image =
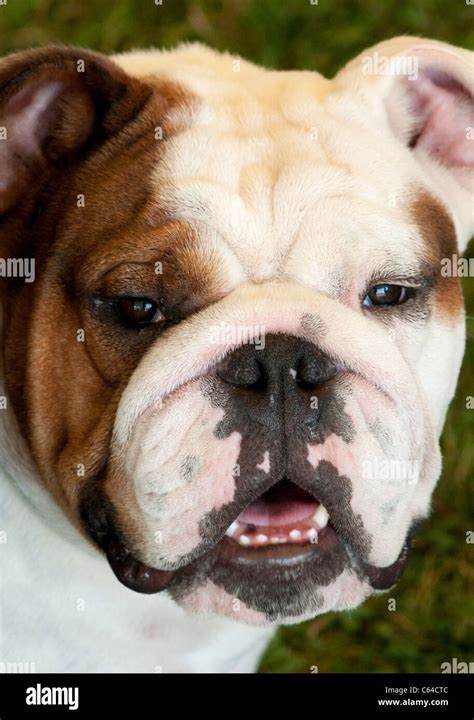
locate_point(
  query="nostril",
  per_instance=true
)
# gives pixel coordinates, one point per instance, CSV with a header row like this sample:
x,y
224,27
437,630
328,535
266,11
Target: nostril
x,y
314,370
244,372
255,369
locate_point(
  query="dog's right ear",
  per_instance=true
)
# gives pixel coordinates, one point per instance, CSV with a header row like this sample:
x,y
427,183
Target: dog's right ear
x,y
54,104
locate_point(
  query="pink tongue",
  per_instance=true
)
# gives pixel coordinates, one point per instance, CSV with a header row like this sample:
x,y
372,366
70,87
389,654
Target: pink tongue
x,y
278,512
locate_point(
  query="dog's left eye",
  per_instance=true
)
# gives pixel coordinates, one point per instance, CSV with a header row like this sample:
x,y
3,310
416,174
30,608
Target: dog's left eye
x,y
136,312
386,295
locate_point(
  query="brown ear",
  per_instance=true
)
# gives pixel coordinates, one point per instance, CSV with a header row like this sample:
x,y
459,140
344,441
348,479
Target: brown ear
x,y
54,103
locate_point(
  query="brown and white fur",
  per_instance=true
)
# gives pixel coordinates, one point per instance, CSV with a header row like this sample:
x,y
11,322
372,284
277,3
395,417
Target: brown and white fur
x,y
234,197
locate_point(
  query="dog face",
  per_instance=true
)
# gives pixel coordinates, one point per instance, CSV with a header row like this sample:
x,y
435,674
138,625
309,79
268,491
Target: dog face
x,y
234,364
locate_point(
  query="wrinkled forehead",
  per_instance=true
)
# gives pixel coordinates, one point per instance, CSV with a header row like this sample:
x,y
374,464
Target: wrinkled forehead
x,y
261,174
334,246
339,244
280,169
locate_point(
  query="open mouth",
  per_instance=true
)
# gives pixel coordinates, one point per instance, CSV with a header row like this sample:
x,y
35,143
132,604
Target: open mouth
x,y
286,527
284,515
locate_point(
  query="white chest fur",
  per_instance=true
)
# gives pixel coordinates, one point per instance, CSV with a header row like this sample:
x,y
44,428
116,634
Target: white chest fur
x,y
62,610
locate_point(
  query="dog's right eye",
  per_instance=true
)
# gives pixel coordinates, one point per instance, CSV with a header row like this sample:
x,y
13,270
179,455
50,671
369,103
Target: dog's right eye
x,y
138,312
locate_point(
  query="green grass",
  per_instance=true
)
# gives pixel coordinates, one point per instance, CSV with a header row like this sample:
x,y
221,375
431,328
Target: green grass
x,y
289,33
434,617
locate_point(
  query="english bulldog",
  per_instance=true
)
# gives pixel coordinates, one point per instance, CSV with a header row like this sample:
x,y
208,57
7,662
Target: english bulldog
x,y
226,378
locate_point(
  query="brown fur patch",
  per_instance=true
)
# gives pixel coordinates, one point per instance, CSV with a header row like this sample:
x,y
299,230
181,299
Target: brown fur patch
x,y
437,229
64,391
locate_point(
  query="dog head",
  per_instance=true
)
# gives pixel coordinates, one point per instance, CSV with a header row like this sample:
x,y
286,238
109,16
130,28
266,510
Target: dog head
x,y
234,363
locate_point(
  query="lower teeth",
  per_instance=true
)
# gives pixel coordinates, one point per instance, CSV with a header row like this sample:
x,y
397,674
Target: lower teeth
x,y
272,536
253,536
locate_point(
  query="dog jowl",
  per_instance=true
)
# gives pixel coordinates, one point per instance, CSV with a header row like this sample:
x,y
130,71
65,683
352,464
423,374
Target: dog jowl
x,y
238,316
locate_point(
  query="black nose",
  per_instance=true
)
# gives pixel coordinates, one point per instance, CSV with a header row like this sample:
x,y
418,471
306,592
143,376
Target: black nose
x,y
283,361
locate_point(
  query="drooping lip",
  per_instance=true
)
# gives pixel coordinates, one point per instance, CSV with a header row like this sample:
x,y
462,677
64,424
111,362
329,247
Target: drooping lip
x,y
228,553
133,573
383,578
142,578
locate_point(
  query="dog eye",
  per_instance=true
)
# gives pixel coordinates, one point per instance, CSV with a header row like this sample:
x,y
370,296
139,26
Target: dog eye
x,y
136,312
387,295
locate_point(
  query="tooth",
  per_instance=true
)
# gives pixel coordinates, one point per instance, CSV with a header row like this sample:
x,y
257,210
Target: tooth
x,y
274,540
295,534
312,533
262,538
243,540
321,516
232,528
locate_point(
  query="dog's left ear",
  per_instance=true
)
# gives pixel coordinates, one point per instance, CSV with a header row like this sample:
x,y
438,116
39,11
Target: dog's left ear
x,y
422,91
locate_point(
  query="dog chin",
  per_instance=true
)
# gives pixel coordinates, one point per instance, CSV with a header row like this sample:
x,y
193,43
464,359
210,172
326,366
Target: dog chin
x,y
285,590
346,592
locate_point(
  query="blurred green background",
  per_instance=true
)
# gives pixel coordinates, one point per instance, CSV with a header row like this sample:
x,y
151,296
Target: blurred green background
x,y
433,622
